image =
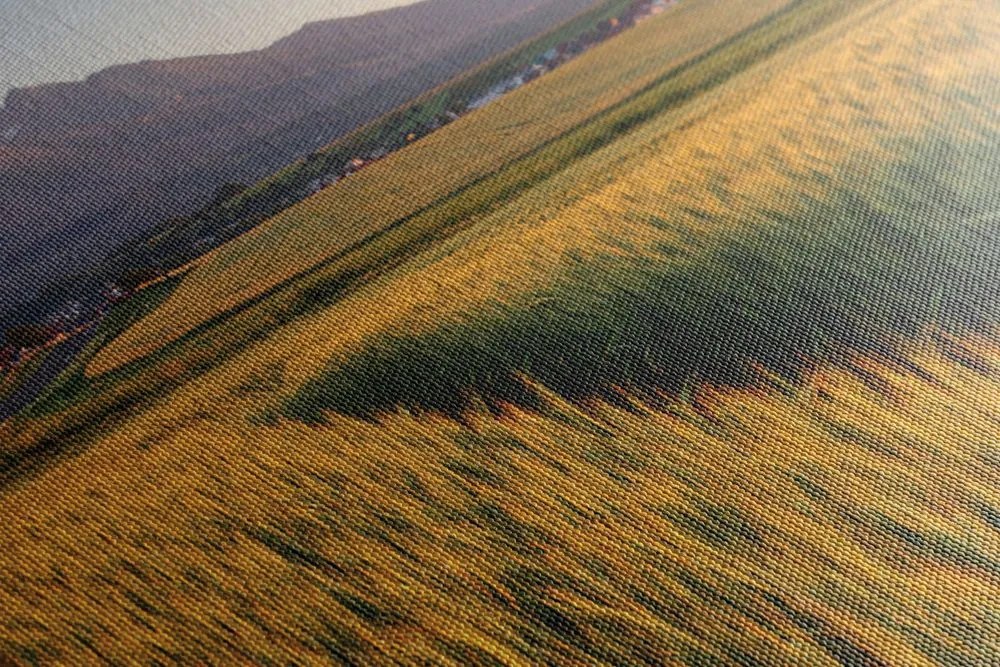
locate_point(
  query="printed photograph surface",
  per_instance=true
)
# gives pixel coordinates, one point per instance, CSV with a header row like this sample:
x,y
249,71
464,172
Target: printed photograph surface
x,y
500,332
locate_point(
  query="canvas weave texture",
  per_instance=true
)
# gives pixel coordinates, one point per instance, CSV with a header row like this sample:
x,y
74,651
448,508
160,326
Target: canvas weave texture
x,y
512,332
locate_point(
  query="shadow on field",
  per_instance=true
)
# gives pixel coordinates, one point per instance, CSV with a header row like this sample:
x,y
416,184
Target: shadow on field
x,y
853,273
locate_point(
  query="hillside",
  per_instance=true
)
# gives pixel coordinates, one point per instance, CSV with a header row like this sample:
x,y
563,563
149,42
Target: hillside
x,y
699,366
93,163
71,307
425,176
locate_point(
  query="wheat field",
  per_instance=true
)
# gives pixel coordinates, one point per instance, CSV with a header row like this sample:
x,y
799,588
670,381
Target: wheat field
x,y
725,390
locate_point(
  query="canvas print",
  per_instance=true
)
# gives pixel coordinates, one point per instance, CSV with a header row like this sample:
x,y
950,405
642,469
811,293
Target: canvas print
x,y
500,332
